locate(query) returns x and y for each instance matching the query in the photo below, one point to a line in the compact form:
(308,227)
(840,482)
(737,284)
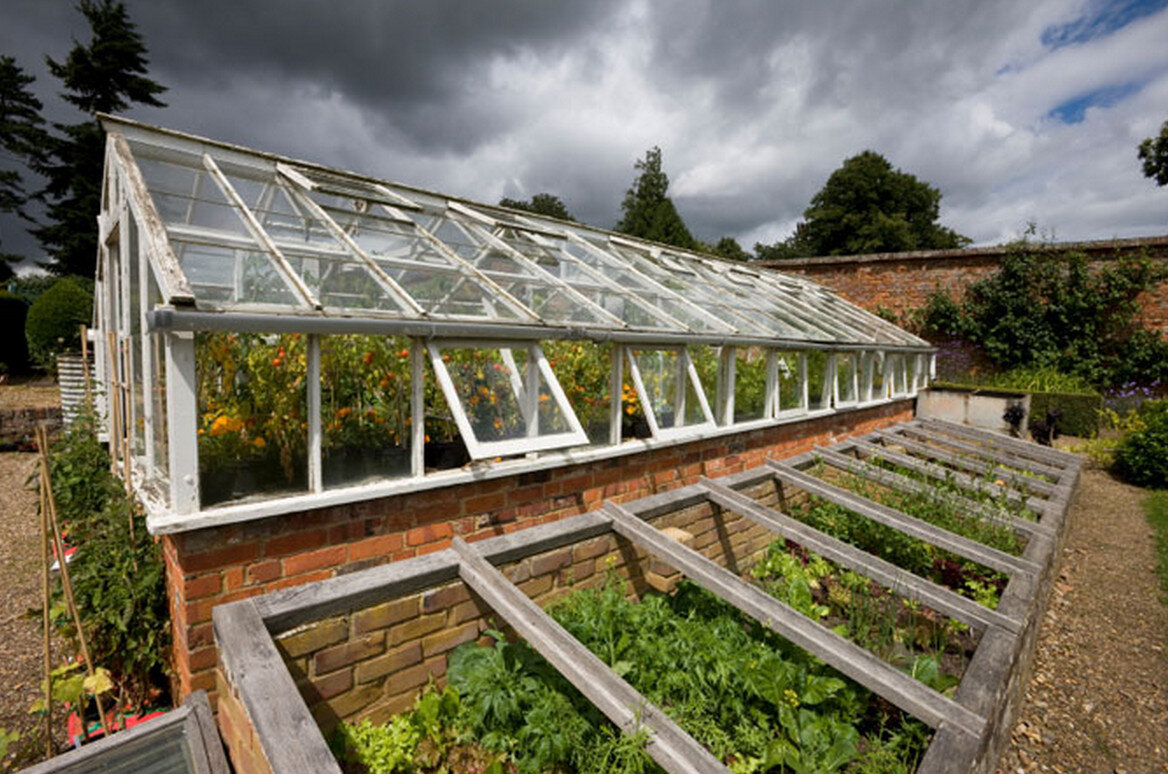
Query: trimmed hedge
(54,321)
(1080,410)
(13,349)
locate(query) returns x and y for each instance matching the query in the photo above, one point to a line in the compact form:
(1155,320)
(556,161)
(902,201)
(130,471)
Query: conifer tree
(22,137)
(647,209)
(108,75)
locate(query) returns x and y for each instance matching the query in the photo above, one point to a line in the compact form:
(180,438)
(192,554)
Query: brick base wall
(208,567)
(900,282)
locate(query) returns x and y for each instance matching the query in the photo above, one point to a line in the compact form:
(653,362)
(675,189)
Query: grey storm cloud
(754,103)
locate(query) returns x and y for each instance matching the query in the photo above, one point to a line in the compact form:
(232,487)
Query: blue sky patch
(1101,19)
(1074,109)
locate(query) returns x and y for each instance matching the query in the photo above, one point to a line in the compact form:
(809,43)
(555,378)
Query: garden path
(1098,698)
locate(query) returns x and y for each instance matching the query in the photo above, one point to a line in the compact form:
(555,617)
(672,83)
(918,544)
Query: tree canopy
(108,74)
(868,206)
(1154,153)
(21,136)
(647,210)
(540,204)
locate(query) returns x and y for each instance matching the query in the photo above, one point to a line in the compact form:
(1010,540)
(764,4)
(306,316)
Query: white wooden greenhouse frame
(199,236)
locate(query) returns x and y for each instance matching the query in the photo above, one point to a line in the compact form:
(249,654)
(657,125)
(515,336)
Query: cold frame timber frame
(203,242)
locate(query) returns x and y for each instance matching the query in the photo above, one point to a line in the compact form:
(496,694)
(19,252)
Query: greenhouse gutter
(170,319)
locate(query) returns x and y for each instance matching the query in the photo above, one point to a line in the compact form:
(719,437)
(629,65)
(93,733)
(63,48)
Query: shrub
(1142,456)
(54,320)
(118,578)
(13,349)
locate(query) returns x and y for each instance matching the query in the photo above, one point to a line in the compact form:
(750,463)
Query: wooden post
(127,427)
(46,560)
(115,396)
(66,584)
(85,366)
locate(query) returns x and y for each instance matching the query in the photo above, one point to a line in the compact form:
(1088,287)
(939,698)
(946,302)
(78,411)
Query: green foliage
(107,74)
(1047,310)
(118,579)
(54,319)
(21,136)
(1142,456)
(29,287)
(1156,508)
(647,210)
(13,349)
(540,204)
(1153,153)
(381,749)
(867,206)
(727,247)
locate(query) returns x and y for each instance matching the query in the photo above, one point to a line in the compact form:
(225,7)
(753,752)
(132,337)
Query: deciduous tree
(540,204)
(1154,153)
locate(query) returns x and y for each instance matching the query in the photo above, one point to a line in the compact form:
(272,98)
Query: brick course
(287,550)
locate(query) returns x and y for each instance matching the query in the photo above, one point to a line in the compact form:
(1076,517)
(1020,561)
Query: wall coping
(1094,247)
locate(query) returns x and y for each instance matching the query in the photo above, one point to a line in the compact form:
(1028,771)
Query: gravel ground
(1098,699)
(21,655)
(39,392)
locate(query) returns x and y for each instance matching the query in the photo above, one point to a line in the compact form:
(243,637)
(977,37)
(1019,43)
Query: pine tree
(106,75)
(22,137)
(648,211)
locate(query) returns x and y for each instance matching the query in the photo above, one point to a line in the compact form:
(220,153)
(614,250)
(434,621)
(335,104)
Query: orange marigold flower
(259,442)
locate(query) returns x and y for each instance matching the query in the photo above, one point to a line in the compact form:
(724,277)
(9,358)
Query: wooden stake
(127,429)
(66,583)
(85,366)
(46,560)
(116,400)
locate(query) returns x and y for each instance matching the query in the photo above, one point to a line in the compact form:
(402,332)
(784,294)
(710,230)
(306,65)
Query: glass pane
(223,274)
(450,293)
(669,390)
(845,376)
(584,370)
(365,408)
(818,392)
(896,374)
(157,388)
(135,344)
(750,384)
(253,418)
(549,302)
(341,283)
(790,391)
(186,194)
(492,388)
(707,362)
(444,447)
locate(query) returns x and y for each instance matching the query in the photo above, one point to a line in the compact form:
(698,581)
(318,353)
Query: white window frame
(526,392)
(686,367)
(837,400)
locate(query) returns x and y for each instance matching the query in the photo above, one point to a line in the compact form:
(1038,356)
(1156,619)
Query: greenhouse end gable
(276,337)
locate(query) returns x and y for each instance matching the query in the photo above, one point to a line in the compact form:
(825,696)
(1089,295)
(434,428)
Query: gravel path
(1098,699)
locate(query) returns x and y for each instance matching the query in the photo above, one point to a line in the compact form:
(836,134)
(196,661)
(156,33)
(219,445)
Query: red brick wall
(900,282)
(212,566)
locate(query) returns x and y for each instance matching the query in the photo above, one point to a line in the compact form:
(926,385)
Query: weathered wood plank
(902,522)
(966,462)
(897,579)
(846,657)
(290,738)
(1045,454)
(669,745)
(940,473)
(908,485)
(981,451)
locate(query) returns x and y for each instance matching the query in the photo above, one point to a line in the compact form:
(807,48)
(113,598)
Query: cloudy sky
(1018,111)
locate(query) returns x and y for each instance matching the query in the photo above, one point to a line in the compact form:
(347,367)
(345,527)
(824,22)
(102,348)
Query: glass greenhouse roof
(249,232)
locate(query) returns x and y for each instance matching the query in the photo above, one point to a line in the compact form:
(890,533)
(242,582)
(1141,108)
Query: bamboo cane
(127,430)
(85,366)
(46,559)
(66,583)
(116,400)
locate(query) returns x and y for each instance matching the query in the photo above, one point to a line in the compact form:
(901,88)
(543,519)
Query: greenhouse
(273,336)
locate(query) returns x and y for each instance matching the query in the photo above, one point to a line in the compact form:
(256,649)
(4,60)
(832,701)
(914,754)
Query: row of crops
(754,700)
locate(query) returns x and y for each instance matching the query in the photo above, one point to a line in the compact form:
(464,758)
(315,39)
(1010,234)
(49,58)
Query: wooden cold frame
(969,728)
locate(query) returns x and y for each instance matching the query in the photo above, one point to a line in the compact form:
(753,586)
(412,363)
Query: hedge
(1080,409)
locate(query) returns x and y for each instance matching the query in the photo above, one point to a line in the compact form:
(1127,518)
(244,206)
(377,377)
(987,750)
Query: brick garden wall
(212,566)
(900,282)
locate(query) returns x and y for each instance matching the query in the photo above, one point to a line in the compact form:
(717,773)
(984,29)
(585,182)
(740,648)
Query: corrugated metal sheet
(71,380)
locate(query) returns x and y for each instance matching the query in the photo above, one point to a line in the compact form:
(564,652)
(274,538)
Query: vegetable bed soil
(823,613)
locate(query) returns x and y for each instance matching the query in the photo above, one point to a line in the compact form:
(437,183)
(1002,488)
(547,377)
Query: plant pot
(444,455)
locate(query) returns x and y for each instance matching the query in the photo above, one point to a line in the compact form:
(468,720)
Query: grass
(1156,508)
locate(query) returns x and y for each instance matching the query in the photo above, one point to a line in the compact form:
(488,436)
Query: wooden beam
(902,522)
(981,451)
(965,462)
(907,485)
(290,738)
(941,473)
(898,579)
(1044,454)
(850,659)
(668,745)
